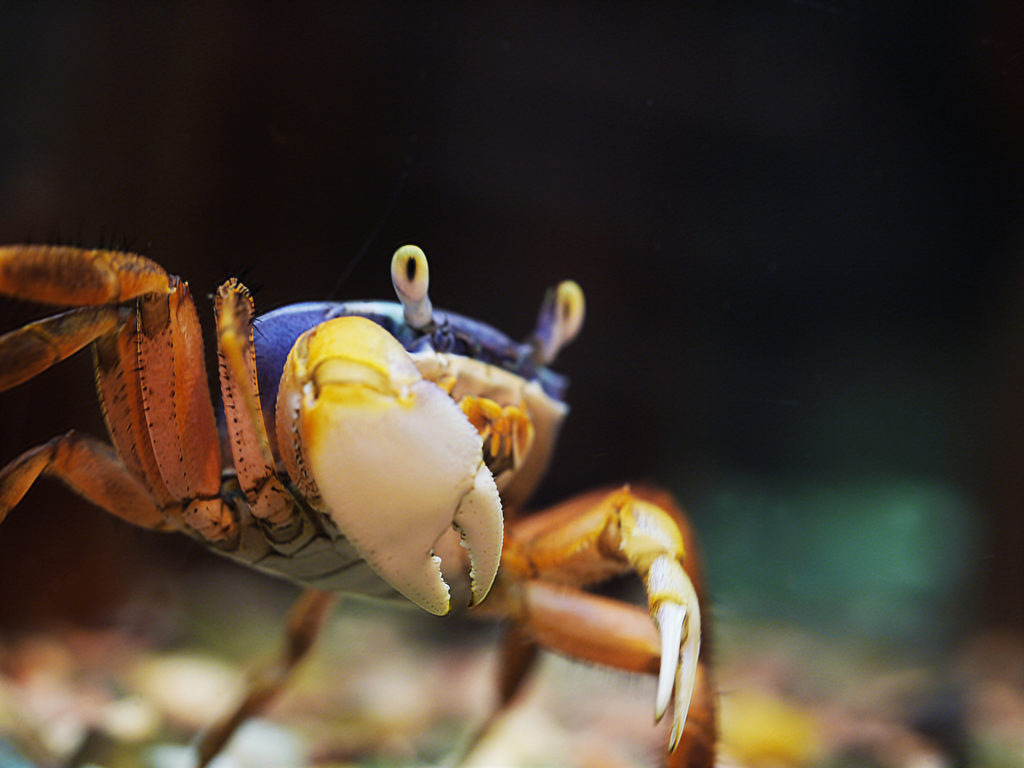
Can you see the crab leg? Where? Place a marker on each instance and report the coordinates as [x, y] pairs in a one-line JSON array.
[[30, 350], [91, 469], [179, 413], [170, 389], [116, 363], [268, 498], [602, 631], [585, 541], [305, 624], [67, 276]]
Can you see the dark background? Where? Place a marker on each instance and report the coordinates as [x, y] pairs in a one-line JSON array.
[[797, 224]]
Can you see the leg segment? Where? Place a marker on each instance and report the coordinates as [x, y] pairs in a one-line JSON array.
[[73, 276], [305, 623], [586, 626], [268, 498], [88, 467], [179, 412], [602, 631], [116, 364], [30, 350], [697, 745], [585, 541], [174, 446]]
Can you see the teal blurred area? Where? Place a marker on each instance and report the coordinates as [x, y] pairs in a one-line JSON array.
[[887, 562]]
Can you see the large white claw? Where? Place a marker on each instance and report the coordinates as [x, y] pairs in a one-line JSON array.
[[679, 627], [393, 458]]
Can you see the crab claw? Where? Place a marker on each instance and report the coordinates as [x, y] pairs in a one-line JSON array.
[[393, 459]]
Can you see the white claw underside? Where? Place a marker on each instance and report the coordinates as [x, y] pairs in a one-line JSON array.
[[395, 475], [679, 627]]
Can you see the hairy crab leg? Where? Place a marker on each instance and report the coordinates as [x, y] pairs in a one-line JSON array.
[[171, 383], [305, 624], [179, 412], [268, 498], [602, 631], [30, 350], [67, 276], [596, 629], [116, 363], [587, 540], [91, 469]]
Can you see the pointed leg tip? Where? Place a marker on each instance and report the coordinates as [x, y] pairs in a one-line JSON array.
[[669, 618], [679, 626], [677, 734]]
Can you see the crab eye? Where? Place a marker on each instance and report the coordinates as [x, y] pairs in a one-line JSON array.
[[571, 308], [411, 278], [560, 319]]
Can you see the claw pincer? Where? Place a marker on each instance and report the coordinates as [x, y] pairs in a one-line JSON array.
[[388, 457]]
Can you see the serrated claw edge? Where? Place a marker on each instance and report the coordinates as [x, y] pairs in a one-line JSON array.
[[480, 524]]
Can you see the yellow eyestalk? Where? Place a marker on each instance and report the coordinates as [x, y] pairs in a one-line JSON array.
[[559, 320], [411, 278]]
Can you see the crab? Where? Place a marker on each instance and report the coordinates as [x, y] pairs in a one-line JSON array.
[[356, 447]]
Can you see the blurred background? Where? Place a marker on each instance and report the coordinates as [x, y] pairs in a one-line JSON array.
[[797, 224]]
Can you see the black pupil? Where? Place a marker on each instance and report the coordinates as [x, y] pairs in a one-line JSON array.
[[410, 269]]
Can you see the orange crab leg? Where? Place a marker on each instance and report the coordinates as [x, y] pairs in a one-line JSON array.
[[116, 363], [268, 498], [171, 387], [30, 350], [91, 469], [586, 626], [305, 624], [179, 412], [68, 276], [607, 632], [587, 540]]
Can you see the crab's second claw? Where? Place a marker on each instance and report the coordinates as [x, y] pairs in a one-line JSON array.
[[392, 457]]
